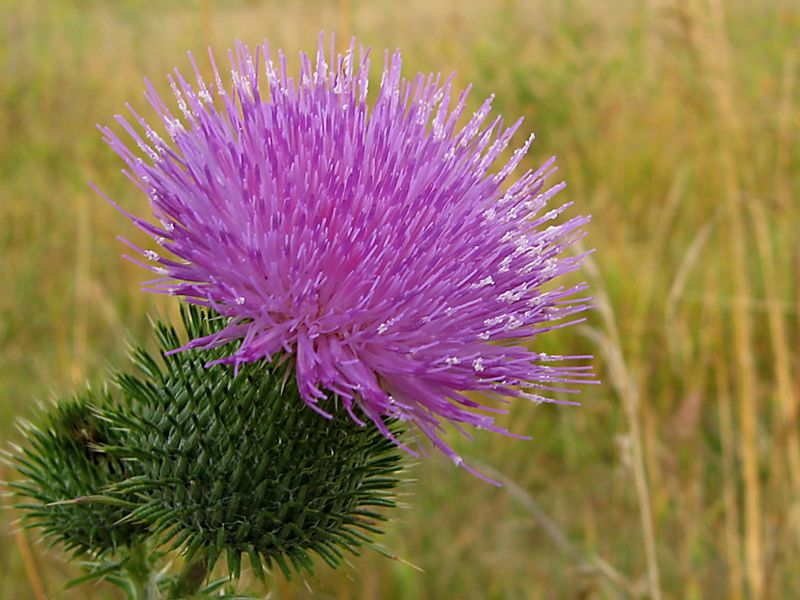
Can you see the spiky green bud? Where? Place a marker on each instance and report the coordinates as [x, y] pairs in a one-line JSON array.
[[236, 463], [66, 470]]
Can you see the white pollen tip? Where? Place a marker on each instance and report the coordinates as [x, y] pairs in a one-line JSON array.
[[483, 282]]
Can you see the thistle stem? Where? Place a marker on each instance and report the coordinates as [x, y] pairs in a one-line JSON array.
[[138, 568]]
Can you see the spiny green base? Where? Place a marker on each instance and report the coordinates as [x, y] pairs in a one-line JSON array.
[[238, 463], [208, 462]]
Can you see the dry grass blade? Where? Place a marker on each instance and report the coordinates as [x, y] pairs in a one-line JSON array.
[[586, 561], [623, 382], [35, 581], [717, 63], [730, 495], [690, 258]]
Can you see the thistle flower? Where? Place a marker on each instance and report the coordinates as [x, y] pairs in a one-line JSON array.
[[380, 244]]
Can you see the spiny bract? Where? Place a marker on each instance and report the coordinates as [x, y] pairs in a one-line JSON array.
[[65, 468], [236, 463], [377, 242]]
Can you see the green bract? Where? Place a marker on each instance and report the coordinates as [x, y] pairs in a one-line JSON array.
[[208, 460], [237, 462], [65, 468]]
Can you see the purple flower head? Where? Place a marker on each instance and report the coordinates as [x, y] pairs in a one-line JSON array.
[[378, 243]]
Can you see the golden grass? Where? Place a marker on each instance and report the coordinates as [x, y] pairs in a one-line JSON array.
[[675, 123]]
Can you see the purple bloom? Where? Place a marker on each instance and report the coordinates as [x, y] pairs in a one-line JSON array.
[[377, 243]]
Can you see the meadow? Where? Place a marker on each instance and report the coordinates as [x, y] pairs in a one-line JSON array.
[[675, 123]]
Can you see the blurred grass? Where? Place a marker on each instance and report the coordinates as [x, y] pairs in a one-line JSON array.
[[675, 123]]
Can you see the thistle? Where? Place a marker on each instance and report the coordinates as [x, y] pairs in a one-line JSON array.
[[375, 243], [351, 270]]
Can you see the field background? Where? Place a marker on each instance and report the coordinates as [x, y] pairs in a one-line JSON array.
[[676, 126]]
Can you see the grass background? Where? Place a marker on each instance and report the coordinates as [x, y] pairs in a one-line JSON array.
[[675, 123]]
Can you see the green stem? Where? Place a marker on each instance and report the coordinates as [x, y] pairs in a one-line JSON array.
[[191, 578], [142, 583]]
